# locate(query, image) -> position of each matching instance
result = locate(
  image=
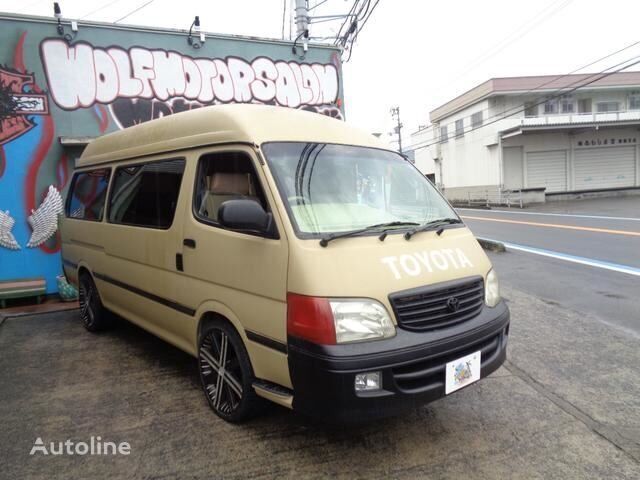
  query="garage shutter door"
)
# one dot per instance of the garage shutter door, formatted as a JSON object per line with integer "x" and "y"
{"x": 547, "y": 169}
{"x": 604, "y": 167}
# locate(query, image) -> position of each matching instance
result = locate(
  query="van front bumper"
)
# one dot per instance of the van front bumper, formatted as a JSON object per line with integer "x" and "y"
{"x": 412, "y": 365}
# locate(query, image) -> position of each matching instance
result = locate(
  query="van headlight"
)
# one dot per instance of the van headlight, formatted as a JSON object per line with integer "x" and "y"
{"x": 492, "y": 289}
{"x": 358, "y": 320}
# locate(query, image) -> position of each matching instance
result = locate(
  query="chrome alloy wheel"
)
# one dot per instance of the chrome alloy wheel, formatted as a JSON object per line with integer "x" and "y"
{"x": 87, "y": 301}
{"x": 220, "y": 372}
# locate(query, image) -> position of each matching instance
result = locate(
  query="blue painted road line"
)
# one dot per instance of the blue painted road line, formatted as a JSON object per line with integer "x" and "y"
{"x": 615, "y": 267}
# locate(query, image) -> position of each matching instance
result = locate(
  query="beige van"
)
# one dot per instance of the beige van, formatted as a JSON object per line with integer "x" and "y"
{"x": 297, "y": 258}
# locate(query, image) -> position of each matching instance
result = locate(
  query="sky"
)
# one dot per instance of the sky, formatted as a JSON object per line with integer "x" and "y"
{"x": 415, "y": 54}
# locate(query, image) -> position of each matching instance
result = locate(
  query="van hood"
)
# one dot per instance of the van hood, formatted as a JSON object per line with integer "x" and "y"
{"x": 365, "y": 267}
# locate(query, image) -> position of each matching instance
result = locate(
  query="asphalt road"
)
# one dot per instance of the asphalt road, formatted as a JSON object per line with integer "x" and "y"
{"x": 582, "y": 255}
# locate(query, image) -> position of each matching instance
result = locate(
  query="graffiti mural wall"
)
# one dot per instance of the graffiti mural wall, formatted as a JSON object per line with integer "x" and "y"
{"x": 105, "y": 79}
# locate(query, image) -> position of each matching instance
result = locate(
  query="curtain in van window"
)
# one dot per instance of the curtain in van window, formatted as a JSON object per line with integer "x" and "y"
{"x": 146, "y": 195}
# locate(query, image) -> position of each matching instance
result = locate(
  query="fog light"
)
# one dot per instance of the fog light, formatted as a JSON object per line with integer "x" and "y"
{"x": 366, "y": 382}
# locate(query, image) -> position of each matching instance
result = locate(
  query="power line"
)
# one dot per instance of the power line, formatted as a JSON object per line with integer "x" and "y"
{"x": 549, "y": 82}
{"x": 364, "y": 22}
{"x": 99, "y": 9}
{"x": 546, "y": 99}
{"x": 134, "y": 11}
{"x": 525, "y": 28}
{"x": 347, "y": 16}
{"x": 366, "y": 18}
{"x": 353, "y": 27}
{"x": 317, "y": 5}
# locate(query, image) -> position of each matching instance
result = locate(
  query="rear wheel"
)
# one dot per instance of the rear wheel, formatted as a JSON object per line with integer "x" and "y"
{"x": 226, "y": 373}
{"x": 93, "y": 315}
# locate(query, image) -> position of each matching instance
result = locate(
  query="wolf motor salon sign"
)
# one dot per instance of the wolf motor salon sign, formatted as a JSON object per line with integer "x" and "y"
{"x": 81, "y": 75}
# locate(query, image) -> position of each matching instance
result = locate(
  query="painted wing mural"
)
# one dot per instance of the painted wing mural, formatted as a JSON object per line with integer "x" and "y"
{"x": 44, "y": 220}
{"x": 7, "y": 239}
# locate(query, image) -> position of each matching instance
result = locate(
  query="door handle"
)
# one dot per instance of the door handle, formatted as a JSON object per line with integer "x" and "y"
{"x": 189, "y": 242}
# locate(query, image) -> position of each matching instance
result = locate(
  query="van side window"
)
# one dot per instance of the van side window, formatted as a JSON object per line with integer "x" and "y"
{"x": 88, "y": 194}
{"x": 221, "y": 177}
{"x": 146, "y": 195}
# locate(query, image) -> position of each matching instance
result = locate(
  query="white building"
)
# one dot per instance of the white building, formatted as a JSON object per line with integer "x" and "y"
{"x": 520, "y": 133}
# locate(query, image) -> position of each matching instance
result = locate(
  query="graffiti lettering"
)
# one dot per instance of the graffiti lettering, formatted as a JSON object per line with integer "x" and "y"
{"x": 83, "y": 75}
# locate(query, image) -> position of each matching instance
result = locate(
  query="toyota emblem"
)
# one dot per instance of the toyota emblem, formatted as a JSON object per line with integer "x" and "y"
{"x": 453, "y": 304}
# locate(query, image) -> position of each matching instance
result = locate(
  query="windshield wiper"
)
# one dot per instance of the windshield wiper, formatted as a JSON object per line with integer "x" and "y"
{"x": 441, "y": 222}
{"x": 324, "y": 241}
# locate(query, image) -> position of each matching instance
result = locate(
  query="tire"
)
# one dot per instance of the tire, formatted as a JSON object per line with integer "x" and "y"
{"x": 230, "y": 395}
{"x": 93, "y": 315}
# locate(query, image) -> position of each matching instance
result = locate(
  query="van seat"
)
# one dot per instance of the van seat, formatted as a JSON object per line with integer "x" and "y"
{"x": 225, "y": 186}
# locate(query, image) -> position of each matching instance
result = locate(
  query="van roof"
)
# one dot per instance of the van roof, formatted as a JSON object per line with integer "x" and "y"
{"x": 234, "y": 123}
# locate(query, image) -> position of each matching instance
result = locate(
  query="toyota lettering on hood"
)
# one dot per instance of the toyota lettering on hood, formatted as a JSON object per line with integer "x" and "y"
{"x": 426, "y": 261}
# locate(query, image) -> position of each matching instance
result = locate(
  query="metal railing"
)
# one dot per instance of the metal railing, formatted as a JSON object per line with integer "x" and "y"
{"x": 496, "y": 196}
{"x": 591, "y": 117}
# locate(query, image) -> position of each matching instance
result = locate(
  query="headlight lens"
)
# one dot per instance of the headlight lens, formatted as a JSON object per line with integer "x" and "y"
{"x": 358, "y": 320}
{"x": 492, "y": 289}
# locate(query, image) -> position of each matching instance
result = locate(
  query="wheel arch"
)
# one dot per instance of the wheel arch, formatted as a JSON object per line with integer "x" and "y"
{"x": 83, "y": 268}
{"x": 212, "y": 311}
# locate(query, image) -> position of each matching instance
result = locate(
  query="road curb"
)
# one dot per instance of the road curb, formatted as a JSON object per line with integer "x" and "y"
{"x": 491, "y": 245}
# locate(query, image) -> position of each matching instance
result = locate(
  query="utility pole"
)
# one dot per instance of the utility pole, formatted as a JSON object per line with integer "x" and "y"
{"x": 301, "y": 17}
{"x": 395, "y": 113}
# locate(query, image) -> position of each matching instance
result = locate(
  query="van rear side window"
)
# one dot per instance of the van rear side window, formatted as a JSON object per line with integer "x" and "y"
{"x": 88, "y": 194}
{"x": 146, "y": 195}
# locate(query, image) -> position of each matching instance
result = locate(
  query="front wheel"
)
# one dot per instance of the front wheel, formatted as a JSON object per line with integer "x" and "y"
{"x": 226, "y": 374}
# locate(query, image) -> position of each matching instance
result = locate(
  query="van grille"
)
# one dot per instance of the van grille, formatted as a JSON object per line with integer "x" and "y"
{"x": 424, "y": 375}
{"x": 438, "y": 306}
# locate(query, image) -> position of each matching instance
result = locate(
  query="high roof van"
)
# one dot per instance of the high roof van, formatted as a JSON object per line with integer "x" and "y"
{"x": 298, "y": 260}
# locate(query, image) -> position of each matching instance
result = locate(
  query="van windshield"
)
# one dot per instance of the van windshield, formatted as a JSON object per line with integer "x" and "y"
{"x": 330, "y": 188}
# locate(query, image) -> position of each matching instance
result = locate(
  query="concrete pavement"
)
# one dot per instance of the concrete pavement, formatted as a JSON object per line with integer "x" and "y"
{"x": 565, "y": 406}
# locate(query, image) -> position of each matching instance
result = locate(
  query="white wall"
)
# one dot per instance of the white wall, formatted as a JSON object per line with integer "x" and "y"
{"x": 471, "y": 159}
{"x": 424, "y": 154}
{"x": 475, "y": 158}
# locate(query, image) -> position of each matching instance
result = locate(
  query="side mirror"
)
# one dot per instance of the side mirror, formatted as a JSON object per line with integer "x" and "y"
{"x": 246, "y": 215}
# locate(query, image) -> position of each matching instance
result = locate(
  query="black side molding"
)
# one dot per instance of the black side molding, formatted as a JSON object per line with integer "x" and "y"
{"x": 167, "y": 303}
{"x": 266, "y": 341}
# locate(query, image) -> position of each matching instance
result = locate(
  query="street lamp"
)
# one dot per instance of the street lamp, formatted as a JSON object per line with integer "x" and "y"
{"x": 195, "y": 28}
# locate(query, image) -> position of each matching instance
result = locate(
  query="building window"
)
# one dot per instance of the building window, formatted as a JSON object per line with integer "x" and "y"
{"x": 584, "y": 105}
{"x": 146, "y": 195}
{"x": 530, "y": 109}
{"x": 566, "y": 105}
{"x": 476, "y": 119}
{"x": 87, "y": 195}
{"x": 551, "y": 107}
{"x": 634, "y": 101}
{"x": 444, "y": 135}
{"x": 459, "y": 127}
{"x": 604, "y": 107}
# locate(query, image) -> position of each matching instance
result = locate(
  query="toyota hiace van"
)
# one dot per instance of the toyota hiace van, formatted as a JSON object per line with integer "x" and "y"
{"x": 298, "y": 259}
